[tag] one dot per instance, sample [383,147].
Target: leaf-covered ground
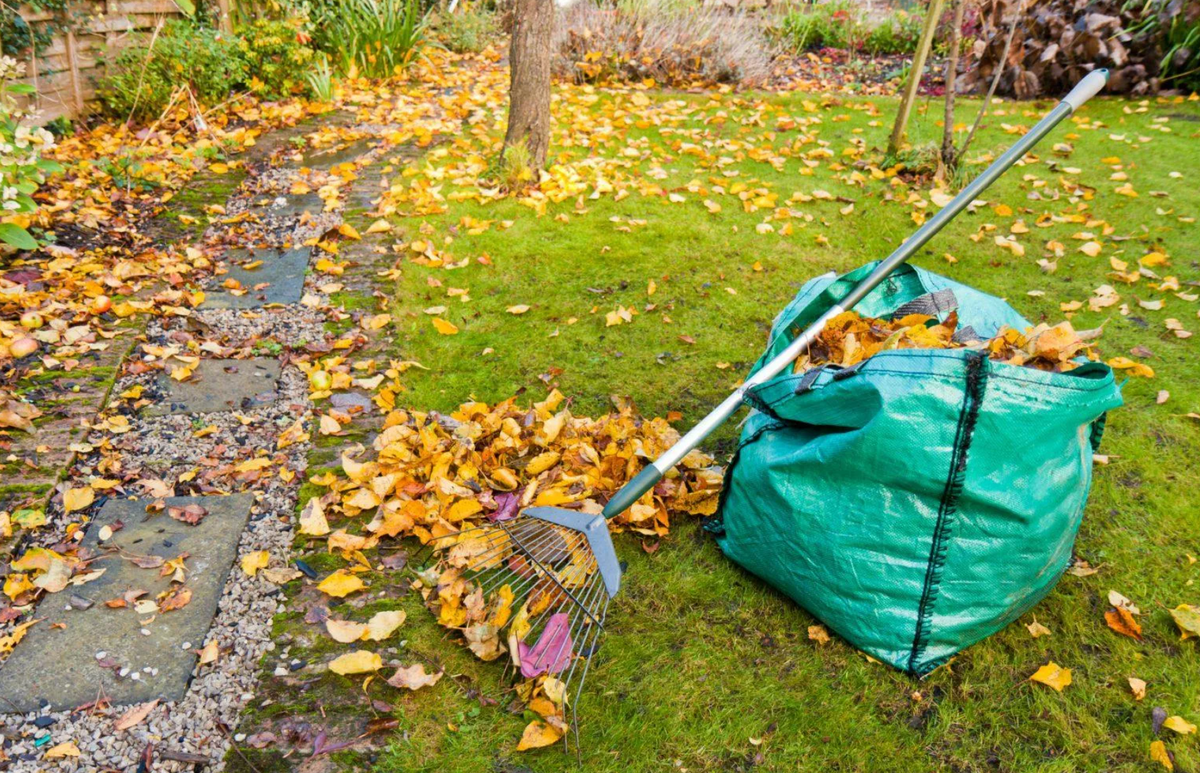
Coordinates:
[650,265]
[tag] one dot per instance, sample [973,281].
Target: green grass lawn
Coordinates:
[705,668]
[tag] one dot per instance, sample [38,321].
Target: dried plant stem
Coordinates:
[961,152]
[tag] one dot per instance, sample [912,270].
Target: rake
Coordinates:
[558,566]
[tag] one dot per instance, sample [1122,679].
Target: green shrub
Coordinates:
[22,168]
[468,31]
[277,59]
[837,24]
[145,75]
[898,35]
[377,38]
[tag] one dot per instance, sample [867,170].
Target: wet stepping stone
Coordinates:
[277,276]
[95,650]
[326,159]
[295,205]
[219,385]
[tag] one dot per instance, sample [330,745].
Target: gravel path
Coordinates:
[201,726]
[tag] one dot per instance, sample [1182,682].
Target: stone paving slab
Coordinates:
[219,385]
[59,665]
[280,279]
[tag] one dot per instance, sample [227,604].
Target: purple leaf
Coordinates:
[507,508]
[552,653]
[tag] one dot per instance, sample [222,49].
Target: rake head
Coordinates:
[545,578]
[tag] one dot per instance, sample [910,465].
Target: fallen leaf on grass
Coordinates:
[818,634]
[134,716]
[1036,629]
[312,519]
[1159,754]
[357,662]
[538,734]
[340,584]
[1179,725]
[1137,687]
[379,627]
[1187,617]
[1052,675]
[444,327]
[1122,621]
[414,677]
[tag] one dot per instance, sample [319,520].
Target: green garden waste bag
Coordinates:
[922,499]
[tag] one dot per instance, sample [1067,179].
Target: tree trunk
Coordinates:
[949,157]
[900,129]
[529,87]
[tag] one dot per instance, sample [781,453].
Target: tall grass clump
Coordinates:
[376,38]
[673,43]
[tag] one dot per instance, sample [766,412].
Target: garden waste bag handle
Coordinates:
[645,480]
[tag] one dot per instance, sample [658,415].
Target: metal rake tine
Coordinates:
[499,547]
[570,545]
[540,540]
[561,587]
[572,619]
[591,594]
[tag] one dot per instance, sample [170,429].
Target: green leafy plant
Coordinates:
[320,79]
[469,30]
[278,60]
[145,76]
[377,38]
[22,168]
[897,35]
[836,24]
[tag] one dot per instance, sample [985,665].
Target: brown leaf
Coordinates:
[190,514]
[134,716]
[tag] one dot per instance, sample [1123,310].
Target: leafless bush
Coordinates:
[678,46]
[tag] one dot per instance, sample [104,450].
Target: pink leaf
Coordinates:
[552,653]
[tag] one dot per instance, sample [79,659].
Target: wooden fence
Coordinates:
[65,72]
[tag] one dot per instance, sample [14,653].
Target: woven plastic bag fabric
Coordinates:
[923,499]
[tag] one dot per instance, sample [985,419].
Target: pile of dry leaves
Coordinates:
[850,338]
[437,477]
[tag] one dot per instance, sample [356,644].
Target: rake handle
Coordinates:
[645,480]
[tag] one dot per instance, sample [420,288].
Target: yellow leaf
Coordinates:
[1052,675]
[1137,687]
[463,508]
[312,519]
[64,749]
[444,327]
[520,308]
[252,562]
[1036,629]
[1179,725]
[357,662]
[538,734]
[1131,367]
[1187,617]
[345,631]
[1158,753]
[15,636]
[379,226]
[384,624]
[78,498]
[341,584]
